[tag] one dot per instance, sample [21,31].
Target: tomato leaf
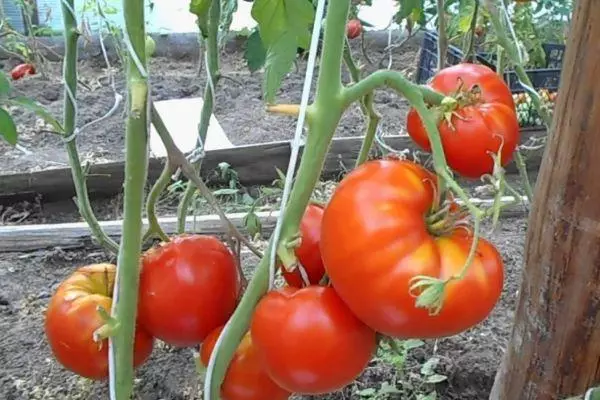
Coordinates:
[436,378]
[252,224]
[255,53]
[37,108]
[284,25]
[229,7]
[8,129]
[4,85]
[200,8]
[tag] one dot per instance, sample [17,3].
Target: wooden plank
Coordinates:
[255,165]
[77,234]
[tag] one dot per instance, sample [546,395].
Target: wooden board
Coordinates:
[77,234]
[255,165]
[181,116]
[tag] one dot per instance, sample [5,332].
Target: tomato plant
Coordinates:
[21,70]
[309,341]
[188,287]
[308,252]
[246,379]
[353,28]
[485,122]
[375,240]
[72,319]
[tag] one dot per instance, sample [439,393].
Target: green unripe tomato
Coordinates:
[150,46]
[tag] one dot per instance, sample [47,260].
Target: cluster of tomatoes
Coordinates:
[385,224]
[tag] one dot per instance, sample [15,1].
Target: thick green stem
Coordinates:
[71,35]
[471,46]
[159,186]
[136,171]
[442,35]
[326,112]
[212,76]
[394,80]
[366,106]
[512,51]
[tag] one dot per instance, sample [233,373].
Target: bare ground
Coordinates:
[27,280]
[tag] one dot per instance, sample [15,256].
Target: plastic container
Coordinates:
[546,78]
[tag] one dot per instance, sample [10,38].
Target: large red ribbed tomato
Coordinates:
[188,287]
[375,240]
[308,252]
[246,379]
[309,341]
[485,122]
[72,318]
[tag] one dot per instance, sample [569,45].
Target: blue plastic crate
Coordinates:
[547,78]
[428,58]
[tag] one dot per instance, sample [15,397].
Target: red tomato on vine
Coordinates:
[188,287]
[246,378]
[484,124]
[22,70]
[353,28]
[375,240]
[72,318]
[309,341]
[308,252]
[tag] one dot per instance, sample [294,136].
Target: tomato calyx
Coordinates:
[110,327]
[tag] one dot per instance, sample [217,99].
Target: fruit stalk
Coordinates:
[125,295]
[154,228]
[326,111]
[212,77]
[366,105]
[71,36]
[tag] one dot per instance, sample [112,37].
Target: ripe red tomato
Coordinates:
[375,240]
[353,28]
[72,317]
[309,341]
[308,252]
[21,70]
[483,124]
[188,287]
[246,378]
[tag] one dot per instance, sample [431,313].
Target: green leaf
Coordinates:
[436,378]
[228,8]
[410,344]
[284,25]
[252,224]
[429,366]
[201,8]
[8,129]
[4,84]
[37,108]
[368,392]
[255,53]
[225,192]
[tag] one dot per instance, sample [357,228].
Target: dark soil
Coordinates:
[240,107]
[27,280]
[30,372]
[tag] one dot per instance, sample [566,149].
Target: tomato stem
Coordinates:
[442,42]
[326,112]
[212,77]
[71,35]
[125,295]
[366,105]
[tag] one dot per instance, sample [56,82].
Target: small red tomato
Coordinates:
[308,252]
[353,28]
[21,70]
[309,340]
[188,287]
[72,318]
[246,378]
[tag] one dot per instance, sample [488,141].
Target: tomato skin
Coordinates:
[309,341]
[21,70]
[246,378]
[188,287]
[478,129]
[375,240]
[308,253]
[72,318]
[353,28]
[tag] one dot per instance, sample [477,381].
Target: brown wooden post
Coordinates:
[554,350]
